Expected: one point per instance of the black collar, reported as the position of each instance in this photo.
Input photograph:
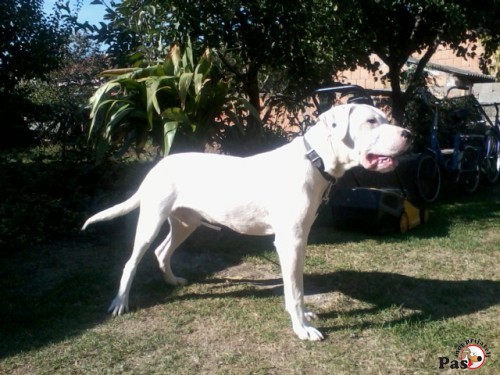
(316, 160)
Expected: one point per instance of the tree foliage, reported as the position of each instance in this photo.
(136, 32)
(61, 99)
(394, 30)
(264, 45)
(30, 43)
(294, 46)
(30, 47)
(261, 47)
(268, 45)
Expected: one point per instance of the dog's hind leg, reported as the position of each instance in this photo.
(179, 231)
(148, 226)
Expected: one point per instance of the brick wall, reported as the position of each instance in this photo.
(443, 56)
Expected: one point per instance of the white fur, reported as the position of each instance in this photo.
(275, 192)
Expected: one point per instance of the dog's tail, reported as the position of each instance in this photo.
(115, 211)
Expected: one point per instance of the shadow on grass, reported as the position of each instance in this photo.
(431, 300)
(51, 293)
(55, 292)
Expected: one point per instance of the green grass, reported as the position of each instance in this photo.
(387, 304)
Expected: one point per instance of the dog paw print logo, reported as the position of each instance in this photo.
(470, 354)
(475, 356)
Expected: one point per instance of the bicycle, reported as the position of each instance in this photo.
(490, 163)
(428, 177)
(459, 162)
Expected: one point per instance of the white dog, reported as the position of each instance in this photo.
(274, 192)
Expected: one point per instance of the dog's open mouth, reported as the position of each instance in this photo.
(375, 162)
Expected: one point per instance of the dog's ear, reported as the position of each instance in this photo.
(338, 119)
(342, 115)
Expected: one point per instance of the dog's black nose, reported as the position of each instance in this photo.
(406, 134)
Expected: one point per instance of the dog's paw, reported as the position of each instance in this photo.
(118, 307)
(310, 315)
(180, 281)
(176, 281)
(308, 332)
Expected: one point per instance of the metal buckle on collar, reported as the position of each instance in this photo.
(313, 156)
(316, 160)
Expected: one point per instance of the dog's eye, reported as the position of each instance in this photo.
(372, 120)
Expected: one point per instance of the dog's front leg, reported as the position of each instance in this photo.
(291, 254)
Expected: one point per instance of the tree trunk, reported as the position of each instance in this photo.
(398, 97)
(251, 87)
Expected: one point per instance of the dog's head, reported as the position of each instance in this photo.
(357, 134)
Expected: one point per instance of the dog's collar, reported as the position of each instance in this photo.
(316, 160)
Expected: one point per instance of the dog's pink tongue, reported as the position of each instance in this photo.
(380, 162)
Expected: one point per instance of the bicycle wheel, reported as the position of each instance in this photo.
(469, 181)
(490, 165)
(470, 173)
(428, 178)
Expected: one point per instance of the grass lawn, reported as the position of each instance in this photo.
(388, 304)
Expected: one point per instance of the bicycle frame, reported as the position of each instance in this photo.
(460, 141)
(462, 160)
(495, 128)
(490, 157)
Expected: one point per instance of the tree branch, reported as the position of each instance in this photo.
(421, 66)
(229, 66)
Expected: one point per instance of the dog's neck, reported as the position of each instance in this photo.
(335, 163)
(316, 160)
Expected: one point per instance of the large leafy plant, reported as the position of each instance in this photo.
(175, 99)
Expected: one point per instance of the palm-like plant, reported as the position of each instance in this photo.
(157, 102)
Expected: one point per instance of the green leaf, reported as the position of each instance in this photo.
(94, 125)
(169, 130)
(176, 114)
(107, 130)
(184, 83)
(118, 72)
(189, 55)
(151, 99)
(174, 55)
(204, 65)
(118, 118)
(95, 100)
(198, 83)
